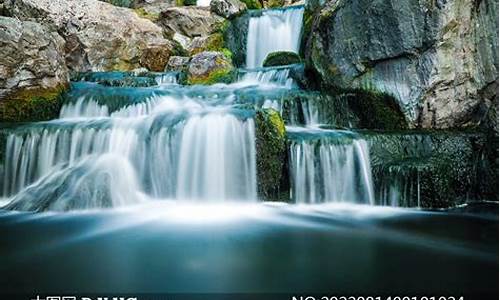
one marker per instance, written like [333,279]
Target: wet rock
[431,169]
[210,67]
[435,58]
[270,136]
[99,36]
[32,71]
[227,8]
[281,58]
[190,21]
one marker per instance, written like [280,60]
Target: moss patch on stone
[252,4]
[141,12]
[375,110]
[281,58]
[217,76]
[270,137]
[439,169]
[32,105]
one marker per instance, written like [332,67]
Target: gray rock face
[99,36]
[209,67]
[190,21]
[227,8]
[439,59]
[31,58]
[177,63]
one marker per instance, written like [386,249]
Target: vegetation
[271,152]
[32,105]
[281,58]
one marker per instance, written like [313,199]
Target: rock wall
[31,64]
[98,35]
[438,58]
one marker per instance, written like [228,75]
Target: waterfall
[275,76]
[176,147]
[329,166]
[274,30]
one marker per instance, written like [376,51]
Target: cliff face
[439,59]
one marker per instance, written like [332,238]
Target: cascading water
[329,166]
[177,146]
[274,30]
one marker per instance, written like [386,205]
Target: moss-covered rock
[32,105]
[252,4]
[374,110]
[271,153]
[430,169]
[281,58]
[214,42]
[210,67]
[143,13]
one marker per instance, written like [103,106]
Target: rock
[441,169]
[273,3]
[435,58]
[190,21]
[122,3]
[99,36]
[32,71]
[214,42]
[281,58]
[270,141]
[209,67]
[183,41]
[177,63]
[228,8]
[252,4]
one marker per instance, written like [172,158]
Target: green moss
[375,110]
[271,153]
[217,76]
[441,169]
[252,4]
[32,105]
[141,12]
[275,3]
[281,58]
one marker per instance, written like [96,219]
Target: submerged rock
[190,21]
[99,36]
[210,67]
[227,8]
[270,135]
[435,58]
[32,71]
[281,58]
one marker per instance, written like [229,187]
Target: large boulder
[210,67]
[438,58]
[190,21]
[32,71]
[99,36]
[228,8]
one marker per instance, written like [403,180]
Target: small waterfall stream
[274,30]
